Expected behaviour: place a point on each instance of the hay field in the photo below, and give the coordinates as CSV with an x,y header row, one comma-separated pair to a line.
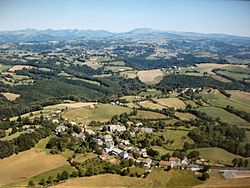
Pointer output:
x,y
185,116
19,67
172,102
102,112
27,164
129,74
151,105
149,76
10,96
157,178
70,105
149,115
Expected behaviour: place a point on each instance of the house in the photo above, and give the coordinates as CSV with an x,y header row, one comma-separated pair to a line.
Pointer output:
x,y
122,147
129,123
99,142
119,128
144,152
124,155
194,167
145,161
55,121
108,138
175,162
146,130
59,129
139,124
165,164
125,142
116,151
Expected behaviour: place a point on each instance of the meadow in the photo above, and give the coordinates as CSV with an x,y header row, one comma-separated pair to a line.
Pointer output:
x,y
149,115
150,76
172,102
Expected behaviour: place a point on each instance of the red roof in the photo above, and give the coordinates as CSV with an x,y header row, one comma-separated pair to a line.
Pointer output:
x,y
165,163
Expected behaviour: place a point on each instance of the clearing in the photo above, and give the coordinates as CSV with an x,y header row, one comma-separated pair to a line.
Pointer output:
x,y
150,76
10,96
172,102
19,67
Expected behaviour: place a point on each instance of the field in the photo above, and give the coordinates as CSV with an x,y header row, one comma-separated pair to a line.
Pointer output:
x,y
129,74
217,155
234,75
224,116
185,116
118,68
157,178
149,115
150,76
150,93
172,102
10,96
239,99
131,98
150,104
179,137
19,67
102,112
27,164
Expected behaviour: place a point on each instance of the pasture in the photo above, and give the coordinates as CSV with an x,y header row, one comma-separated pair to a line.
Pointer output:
x,y
102,112
19,67
28,164
172,102
218,155
151,105
224,116
185,116
129,74
150,76
150,93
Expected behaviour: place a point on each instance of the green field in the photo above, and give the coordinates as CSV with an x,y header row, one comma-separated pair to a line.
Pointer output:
x,y
150,93
150,104
171,102
234,75
102,112
239,100
185,116
224,116
217,155
118,68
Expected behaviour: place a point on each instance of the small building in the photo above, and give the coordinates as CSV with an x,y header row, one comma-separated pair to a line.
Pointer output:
x,y
125,142
193,167
146,130
108,138
59,129
145,161
119,128
116,151
124,155
165,164
56,121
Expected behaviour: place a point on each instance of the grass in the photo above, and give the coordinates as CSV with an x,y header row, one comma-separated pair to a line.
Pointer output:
x,y
157,178
185,116
190,102
130,98
239,99
84,157
102,112
4,68
12,136
224,116
129,74
150,93
149,115
234,75
27,164
217,155
179,137
172,102
118,68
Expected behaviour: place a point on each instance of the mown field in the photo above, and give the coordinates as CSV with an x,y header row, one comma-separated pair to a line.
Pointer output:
x,y
218,155
171,102
150,76
157,178
27,164
149,115
224,116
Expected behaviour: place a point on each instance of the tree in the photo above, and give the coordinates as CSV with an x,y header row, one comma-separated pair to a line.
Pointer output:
x,y
65,175
31,183
194,155
246,163
240,163
42,182
2,133
235,161
204,176
77,129
153,153
165,157
50,180
58,177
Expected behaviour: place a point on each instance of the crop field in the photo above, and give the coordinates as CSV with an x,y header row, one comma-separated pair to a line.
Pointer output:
x,y
28,164
150,104
218,155
172,102
239,99
234,75
185,116
224,116
149,115
10,96
3,68
150,76
190,102
102,112
131,98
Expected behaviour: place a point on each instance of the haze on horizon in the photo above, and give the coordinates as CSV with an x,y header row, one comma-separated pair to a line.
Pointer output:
x,y
202,16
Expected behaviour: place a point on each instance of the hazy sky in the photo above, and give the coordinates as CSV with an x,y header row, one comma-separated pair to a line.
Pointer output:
x,y
206,16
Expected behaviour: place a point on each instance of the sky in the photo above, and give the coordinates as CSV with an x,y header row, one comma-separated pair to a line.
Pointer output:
x,y
203,16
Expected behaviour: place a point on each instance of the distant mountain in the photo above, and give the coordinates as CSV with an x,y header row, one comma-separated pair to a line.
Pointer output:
x,y
69,34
